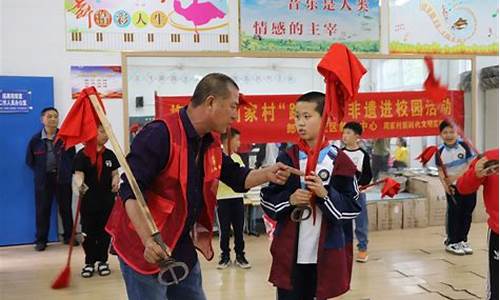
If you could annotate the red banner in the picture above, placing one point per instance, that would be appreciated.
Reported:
(270, 118)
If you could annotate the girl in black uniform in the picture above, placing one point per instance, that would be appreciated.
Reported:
(102, 180)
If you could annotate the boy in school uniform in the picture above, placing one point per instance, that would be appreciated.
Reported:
(456, 156)
(351, 134)
(231, 210)
(102, 180)
(312, 259)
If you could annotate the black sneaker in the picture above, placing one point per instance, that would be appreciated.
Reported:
(40, 246)
(224, 262)
(242, 262)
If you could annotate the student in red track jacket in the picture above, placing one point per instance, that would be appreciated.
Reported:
(478, 175)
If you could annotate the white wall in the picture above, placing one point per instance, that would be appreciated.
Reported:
(483, 130)
(1, 34)
(35, 46)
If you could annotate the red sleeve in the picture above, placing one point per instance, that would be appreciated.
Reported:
(469, 183)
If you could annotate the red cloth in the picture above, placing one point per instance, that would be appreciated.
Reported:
(98, 160)
(432, 86)
(390, 188)
(427, 154)
(242, 102)
(304, 147)
(341, 68)
(80, 124)
(342, 71)
(469, 183)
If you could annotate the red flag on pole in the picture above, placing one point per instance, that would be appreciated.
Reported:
(81, 123)
(432, 86)
(342, 72)
(390, 188)
(427, 154)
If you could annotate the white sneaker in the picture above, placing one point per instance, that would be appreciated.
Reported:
(467, 248)
(455, 249)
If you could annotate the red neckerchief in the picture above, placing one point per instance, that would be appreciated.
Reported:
(97, 157)
(304, 147)
(311, 167)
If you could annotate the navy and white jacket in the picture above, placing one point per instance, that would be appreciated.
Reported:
(334, 257)
(36, 159)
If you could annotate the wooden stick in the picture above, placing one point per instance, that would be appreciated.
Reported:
(128, 172)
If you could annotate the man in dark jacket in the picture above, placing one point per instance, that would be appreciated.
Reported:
(53, 168)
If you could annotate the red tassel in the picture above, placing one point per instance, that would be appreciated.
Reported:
(391, 188)
(62, 280)
(427, 154)
(432, 86)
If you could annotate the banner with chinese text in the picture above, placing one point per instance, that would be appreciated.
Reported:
(450, 26)
(270, 118)
(180, 25)
(15, 101)
(309, 25)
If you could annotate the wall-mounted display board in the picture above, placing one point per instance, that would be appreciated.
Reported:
(177, 25)
(309, 25)
(444, 26)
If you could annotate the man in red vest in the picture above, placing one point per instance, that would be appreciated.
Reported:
(177, 163)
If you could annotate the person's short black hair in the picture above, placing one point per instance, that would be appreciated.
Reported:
(403, 142)
(234, 132)
(213, 84)
(46, 109)
(444, 124)
(354, 126)
(314, 97)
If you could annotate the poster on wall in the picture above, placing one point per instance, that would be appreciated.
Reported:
(106, 79)
(180, 25)
(309, 25)
(450, 26)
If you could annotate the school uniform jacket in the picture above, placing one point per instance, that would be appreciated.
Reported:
(334, 260)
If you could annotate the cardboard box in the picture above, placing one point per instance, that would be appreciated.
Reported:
(395, 214)
(431, 188)
(479, 215)
(389, 215)
(421, 215)
(415, 213)
(382, 215)
(408, 213)
(371, 209)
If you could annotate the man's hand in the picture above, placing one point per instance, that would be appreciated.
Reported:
(279, 173)
(315, 184)
(153, 253)
(446, 187)
(82, 189)
(300, 197)
(482, 170)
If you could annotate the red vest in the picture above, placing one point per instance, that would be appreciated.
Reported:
(167, 201)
